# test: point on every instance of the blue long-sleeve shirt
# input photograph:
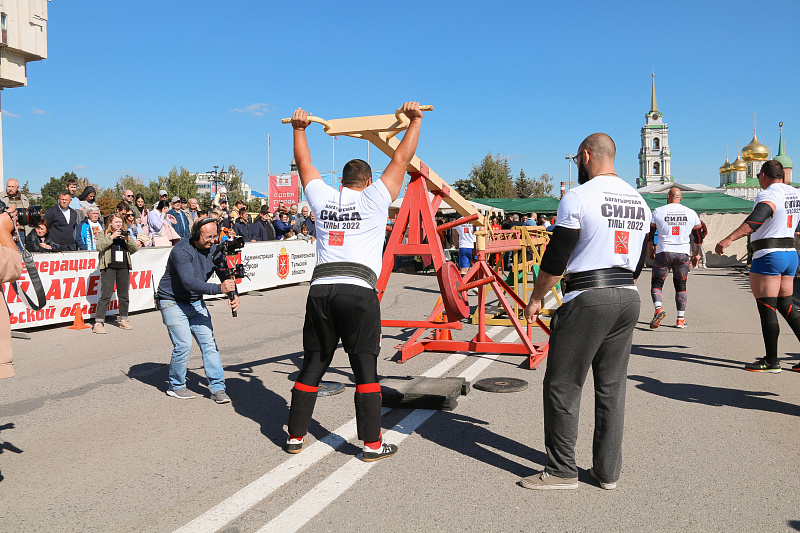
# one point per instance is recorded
(186, 276)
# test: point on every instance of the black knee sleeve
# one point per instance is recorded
(657, 283)
(787, 310)
(790, 313)
(368, 415)
(301, 411)
(679, 284)
(767, 309)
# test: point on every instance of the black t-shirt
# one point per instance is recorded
(118, 250)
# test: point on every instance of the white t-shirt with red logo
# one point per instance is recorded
(674, 223)
(783, 221)
(613, 221)
(351, 226)
(466, 236)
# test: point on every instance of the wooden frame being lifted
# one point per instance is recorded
(416, 221)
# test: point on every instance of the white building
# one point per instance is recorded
(205, 184)
(23, 38)
(654, 155)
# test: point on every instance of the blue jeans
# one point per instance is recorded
(184, 320)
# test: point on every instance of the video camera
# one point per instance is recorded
(26, 216)
(230, 247)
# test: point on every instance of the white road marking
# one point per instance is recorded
(327, 491)
(249, 496)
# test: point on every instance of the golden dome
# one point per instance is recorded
(724, 169)
(755, 151)
(739, 164)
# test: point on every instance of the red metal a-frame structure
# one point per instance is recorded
(416, 221)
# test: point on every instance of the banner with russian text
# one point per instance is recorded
(283, 188)
(71, 280)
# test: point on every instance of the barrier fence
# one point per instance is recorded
(71, 280)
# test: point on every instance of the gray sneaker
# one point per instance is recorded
(220, 397)
(606, 486)
(181, 394)
(544, 481)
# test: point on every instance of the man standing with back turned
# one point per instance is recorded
(675, 223)
(342, 301)
(598, 243)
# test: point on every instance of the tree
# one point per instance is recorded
(542, 187)
(178, 183)
(523, 187)
(466, 188)
(56, 186)
(233, 183)
(107, 201)
(492, 177)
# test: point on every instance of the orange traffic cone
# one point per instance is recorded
(440, 334)
(78, 323)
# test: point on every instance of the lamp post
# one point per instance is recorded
(217, 178)
(569, 157)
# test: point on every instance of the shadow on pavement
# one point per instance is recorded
(7, 446)
(473, 438)
(665, 352)
(794, 524)
(716, 396)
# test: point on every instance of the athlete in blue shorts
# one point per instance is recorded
(771, 225)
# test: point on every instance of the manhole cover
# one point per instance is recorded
(501, 385)
(329, 389)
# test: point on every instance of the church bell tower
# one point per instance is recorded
(654, 155)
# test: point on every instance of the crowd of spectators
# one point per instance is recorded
(76, 222)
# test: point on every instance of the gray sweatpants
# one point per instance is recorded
(592, 330)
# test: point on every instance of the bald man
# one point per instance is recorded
(677, 226)
(12, 195)
(598, 243)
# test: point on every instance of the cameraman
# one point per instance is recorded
(180, 299)
(10, 270)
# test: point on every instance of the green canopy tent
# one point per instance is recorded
(547, 205)
(701, 202)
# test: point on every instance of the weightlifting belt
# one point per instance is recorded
(594, 279)
(763, 244)
(346, 268)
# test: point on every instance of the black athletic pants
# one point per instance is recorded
(351, 313)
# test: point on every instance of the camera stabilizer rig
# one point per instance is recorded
(227, 267)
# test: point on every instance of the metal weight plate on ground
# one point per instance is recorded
(501, 384)
(456, 304)
(329, 389)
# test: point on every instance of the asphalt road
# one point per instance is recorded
(90, 442)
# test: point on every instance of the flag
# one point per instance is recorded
(269, 141)
(336, 138)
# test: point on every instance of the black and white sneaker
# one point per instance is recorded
(761, 365)
(384, 451)
(293, 445)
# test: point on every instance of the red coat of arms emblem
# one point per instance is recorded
(283, 264)
(621, 242)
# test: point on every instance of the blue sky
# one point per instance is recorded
(139, 87)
